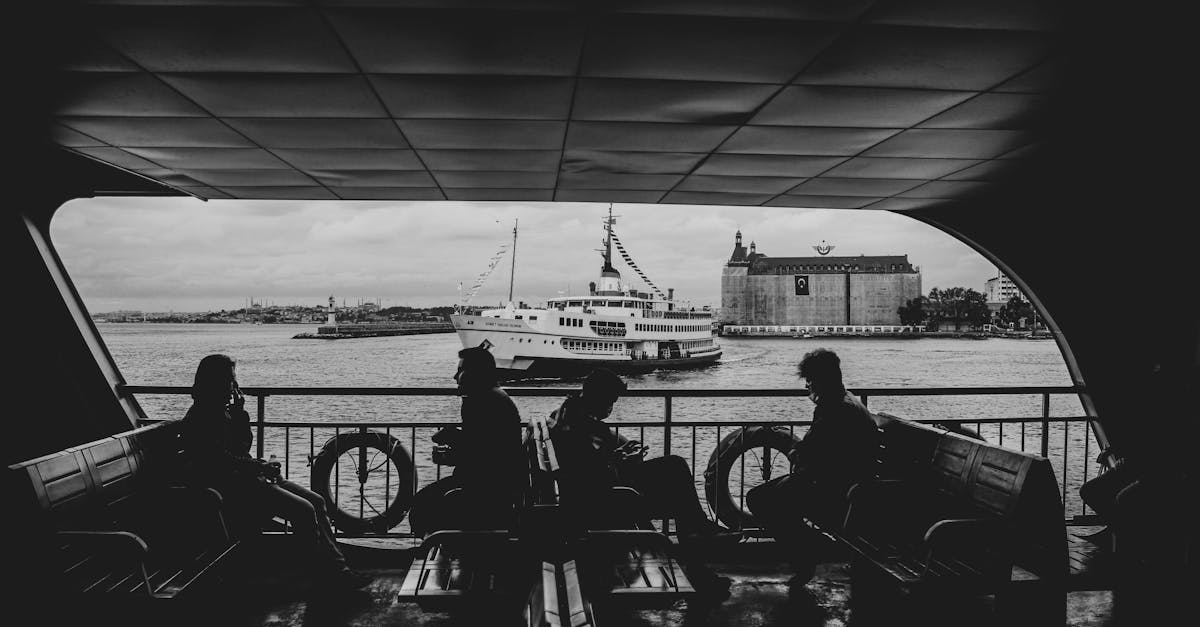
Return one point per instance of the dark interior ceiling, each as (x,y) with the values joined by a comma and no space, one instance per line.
(851,104)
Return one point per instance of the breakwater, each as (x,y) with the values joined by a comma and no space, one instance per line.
(374,329)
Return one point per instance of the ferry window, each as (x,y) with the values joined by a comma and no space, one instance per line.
(533,317)
(560,321)
(519,316)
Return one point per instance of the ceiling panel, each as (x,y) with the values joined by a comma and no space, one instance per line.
(495,160)
(646,137)
(611,180)
(280,95)
(607,195)
(824,202)
(925,58)
(829,186)
(944,189)
(371,178)
(238,39)
(488,134)
(767,165)
(751,51)
(319,133)
(251,178)
(475,97)
(388,193)
(211,158)
(952,144)
(118,157)
(811,105)
(991,111)
(668,101)
(894,168)
(483,193)
(632,162)
(804,140)
(192,132)
(120,94)
(737,184)
(398,42)
(497,180)
(708,198)
(280,193)
(986,14)
(350,158)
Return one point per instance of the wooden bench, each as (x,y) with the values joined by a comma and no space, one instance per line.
(562,564)
(966,518)
(115,521)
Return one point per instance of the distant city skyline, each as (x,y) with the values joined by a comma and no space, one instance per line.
(186,255)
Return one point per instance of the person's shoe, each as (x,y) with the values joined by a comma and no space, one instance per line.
(713,588)
(710,532)
(344,581)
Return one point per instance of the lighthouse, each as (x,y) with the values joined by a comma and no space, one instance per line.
(332,320)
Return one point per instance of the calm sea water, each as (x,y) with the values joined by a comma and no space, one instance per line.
(167,354)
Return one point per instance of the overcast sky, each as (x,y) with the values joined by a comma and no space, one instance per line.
(182,254)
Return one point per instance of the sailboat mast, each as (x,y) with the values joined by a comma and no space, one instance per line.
(512,275)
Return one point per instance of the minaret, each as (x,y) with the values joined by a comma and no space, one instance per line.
(751,247)
(737,239)
(332,321)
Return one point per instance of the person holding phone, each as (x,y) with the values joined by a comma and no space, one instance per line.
(593,458)
(217,438)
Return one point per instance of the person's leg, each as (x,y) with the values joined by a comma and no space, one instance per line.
(305,509)
(427,513)
(667,487)
(776,506)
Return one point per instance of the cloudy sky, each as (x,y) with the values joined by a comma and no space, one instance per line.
(182,254)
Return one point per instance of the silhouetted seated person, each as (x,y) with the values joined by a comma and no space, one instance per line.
(490,469)
(593,459)
(838,451)
(1149,482)
(217,439)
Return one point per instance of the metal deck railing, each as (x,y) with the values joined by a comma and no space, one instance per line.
(1067,440)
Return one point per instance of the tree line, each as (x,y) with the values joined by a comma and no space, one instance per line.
(958,308)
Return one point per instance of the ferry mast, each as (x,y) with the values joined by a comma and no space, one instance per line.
(512,275)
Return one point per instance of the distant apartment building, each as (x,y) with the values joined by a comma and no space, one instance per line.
(1000,289)
(821,290)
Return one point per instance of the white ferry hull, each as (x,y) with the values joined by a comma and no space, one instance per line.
(523,351)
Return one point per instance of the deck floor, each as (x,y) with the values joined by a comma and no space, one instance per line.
(268,590)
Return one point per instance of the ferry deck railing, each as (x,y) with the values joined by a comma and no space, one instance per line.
(1066,440)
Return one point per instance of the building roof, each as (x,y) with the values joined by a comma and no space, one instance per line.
(762,264)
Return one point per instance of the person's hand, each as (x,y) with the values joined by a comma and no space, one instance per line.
(631,450)
(236,398)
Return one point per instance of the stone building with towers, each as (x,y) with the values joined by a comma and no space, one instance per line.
(822,290)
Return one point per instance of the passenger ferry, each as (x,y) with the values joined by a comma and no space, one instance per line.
(1020,130)
(614,326)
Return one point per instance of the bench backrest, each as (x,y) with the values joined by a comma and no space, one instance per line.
(1019,488)
(90,483)
(905,447)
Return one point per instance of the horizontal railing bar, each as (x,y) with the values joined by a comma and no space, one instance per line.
(633,392)
(663,423)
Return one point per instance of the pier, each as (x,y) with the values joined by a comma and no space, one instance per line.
(374,329)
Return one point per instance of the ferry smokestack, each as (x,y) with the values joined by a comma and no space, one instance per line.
(670,293)
(592,288)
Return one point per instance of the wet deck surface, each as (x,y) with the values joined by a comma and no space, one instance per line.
(269,589)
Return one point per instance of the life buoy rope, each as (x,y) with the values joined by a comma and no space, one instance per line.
(720,463)
(322,470)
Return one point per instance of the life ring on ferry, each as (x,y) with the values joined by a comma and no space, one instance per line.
(322,470)
(731,448)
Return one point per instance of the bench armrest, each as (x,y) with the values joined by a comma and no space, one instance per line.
(963,531)
(121,542)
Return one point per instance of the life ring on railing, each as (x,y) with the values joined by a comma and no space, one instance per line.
(322,470)
(721,462)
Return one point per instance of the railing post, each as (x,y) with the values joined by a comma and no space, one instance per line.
(667,423)
(1045,424)
(262,427)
